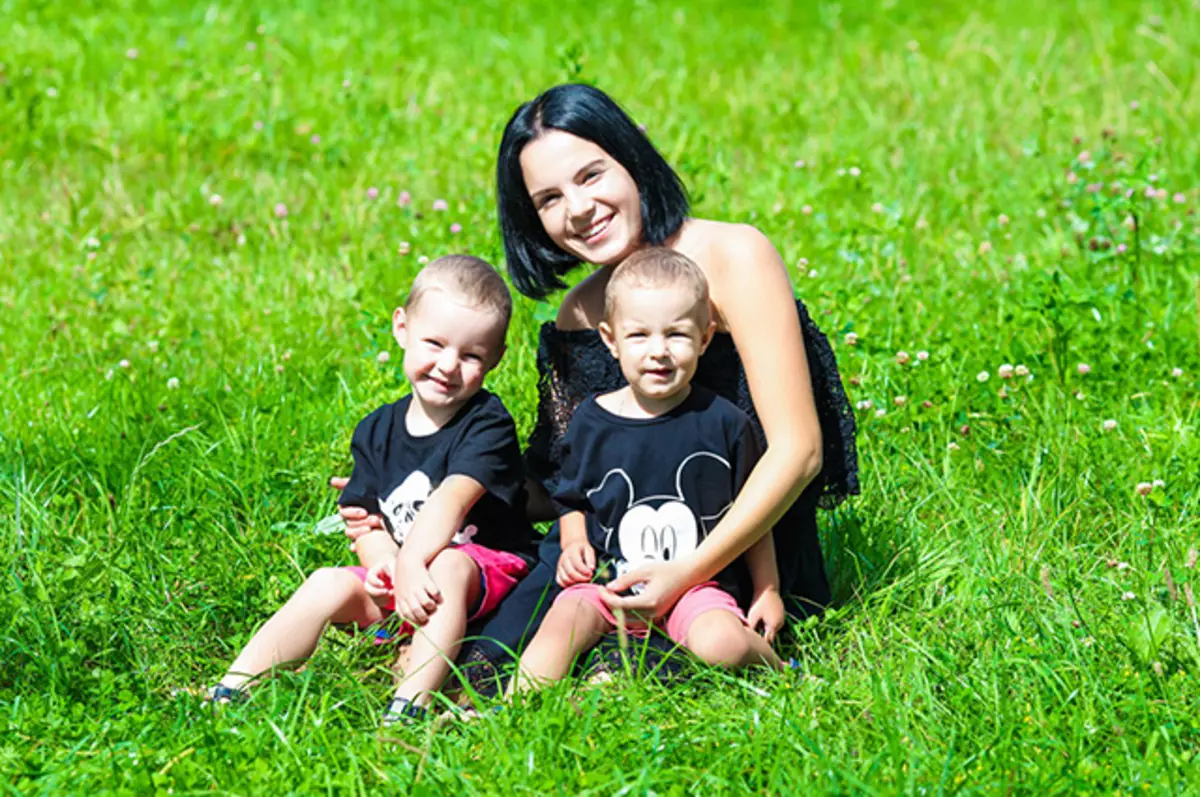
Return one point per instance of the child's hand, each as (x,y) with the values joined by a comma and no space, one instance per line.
(378,582)
(576,564)
(358,520)
(417,597)
(767,614)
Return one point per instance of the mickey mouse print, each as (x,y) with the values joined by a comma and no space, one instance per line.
(653,488)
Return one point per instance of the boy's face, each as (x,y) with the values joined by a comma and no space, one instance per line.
(658,335)
(449,347)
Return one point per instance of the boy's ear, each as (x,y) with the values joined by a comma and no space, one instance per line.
(609,337)
(400,327)
(498,355)
(707,335)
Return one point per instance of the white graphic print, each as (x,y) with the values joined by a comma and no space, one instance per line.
(661,528)
(405,502)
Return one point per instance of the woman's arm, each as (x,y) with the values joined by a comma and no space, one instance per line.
(753,295)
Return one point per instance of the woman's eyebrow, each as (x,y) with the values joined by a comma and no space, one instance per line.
(583,169)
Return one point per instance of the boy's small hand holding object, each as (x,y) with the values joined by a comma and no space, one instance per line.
(417,597)
(576,563)
(767,614)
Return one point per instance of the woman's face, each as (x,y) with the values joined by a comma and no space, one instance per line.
(588,203)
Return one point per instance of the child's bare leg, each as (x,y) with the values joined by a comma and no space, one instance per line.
(572,626)
(719,637)
(436,643)
(292,633)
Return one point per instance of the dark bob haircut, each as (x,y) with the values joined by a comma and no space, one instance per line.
(535,264)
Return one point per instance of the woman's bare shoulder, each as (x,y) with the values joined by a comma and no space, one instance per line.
(583,306)
(716,245)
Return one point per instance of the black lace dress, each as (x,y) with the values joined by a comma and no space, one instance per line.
(574,364)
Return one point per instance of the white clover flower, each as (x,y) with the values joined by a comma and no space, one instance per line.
(173,383)
(383,357)
(851,338)
(1144,488)
(864,404)
(1158,484)
(982,376)
(855,171)
(1083,369)
(123,364)
(902,357)
(215,200)
(1176,372)
(879,413)
(1005,371)
(1128,596)
(1021,370)
(952,446)
(1109,425)
(922,355)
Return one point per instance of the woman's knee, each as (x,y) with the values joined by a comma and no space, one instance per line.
(719,637)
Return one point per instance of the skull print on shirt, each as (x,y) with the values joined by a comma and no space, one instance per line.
(403,504)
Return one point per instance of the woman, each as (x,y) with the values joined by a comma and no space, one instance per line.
(578,182)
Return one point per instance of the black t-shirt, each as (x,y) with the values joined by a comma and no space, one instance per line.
(395,472)
(652,488)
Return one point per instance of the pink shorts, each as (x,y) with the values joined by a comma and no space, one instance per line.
(499,572)
(697,600)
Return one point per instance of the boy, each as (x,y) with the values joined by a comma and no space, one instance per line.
(442,466)
(648,471)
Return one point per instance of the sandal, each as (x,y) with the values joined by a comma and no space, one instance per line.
(402,711)
(222,694)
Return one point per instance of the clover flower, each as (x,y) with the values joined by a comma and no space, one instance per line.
(404,200)
(281,210)
(383,357)
(173,383)
(1083,369)
(902,358)
(372,193)
(1005,371)
(851,338)
(1109,425)
(441,205)
(982,376)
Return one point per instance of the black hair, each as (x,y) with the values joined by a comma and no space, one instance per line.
(535,263)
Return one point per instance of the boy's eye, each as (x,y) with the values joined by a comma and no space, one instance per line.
(635,335)
(473,358)
(432,343)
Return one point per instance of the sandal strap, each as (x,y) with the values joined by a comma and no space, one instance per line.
(227,694)
(402,711)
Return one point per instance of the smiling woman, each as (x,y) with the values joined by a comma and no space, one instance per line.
(579,182)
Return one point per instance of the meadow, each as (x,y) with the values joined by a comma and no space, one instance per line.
(208,212)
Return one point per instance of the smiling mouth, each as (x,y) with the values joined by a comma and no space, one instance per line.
(661,373)
(441,384)
(596,229)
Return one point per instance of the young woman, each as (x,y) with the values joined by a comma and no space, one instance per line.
(578,182)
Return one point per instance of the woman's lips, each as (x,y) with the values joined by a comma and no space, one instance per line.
(596,231)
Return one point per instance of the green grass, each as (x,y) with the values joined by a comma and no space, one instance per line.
(1011,616)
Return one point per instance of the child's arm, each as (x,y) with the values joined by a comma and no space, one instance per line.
(577,562)
(766,607)
(374,547)
(436,524)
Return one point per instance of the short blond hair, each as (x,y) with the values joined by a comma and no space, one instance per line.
(470,279)
(658,267)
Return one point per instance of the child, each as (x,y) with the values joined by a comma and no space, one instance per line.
(442,466)
(647,472)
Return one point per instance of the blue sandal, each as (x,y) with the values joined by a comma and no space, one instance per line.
(221,694)
(402,711)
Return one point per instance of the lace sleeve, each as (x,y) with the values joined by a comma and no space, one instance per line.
(839,476)
(572,365)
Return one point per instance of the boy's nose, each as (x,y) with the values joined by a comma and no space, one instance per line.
(447,361)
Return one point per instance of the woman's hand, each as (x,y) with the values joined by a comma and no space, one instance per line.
(662,585)
(576,564)
(358,520)
(767,615)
